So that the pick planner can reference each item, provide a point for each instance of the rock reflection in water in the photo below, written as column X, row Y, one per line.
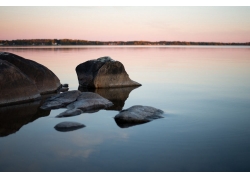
column 117, row 96
column 12, row 118
column 124, row 124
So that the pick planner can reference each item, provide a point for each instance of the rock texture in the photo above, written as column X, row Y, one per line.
column 61, row 100
column 70, row 112
column 103, row 72
column 15, row 86
column 139, row 114
column 76, row 102
column 90, row 101
column 68, row 126
column 44, row 79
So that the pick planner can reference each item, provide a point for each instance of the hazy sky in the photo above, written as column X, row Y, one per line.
column 220, row 24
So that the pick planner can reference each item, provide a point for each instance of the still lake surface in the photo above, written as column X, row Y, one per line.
column 204, row 92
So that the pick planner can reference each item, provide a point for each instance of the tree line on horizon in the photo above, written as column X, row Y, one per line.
column 47, row 42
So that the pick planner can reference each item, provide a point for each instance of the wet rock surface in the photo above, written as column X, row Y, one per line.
column 61, row 100
column 90, row 101
column 68, row 126
column 70, row 112
column 139, row 114
column 76, row 102
column 103, row 72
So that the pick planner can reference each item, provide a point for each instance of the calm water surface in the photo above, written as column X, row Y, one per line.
column 204, row 92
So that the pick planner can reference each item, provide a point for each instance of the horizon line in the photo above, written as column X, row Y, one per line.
column 124, row 41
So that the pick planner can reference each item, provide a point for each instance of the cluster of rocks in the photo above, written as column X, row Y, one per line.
column 25, row 80
column 76, row 103
column 103, row 73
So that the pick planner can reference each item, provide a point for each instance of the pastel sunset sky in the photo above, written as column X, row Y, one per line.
column 210, row 24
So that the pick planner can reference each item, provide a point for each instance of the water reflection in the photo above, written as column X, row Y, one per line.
column 12, row 118
column 124, row 124
column 117, row 96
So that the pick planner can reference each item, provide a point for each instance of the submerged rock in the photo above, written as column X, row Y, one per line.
column 103, row 72
column 68, row 126
column 61, row 100
column 44, row 79
column 70, row 112
column 76, row 103
column 90, row 101
column 139, row 114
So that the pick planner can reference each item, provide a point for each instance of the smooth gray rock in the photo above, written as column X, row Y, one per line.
column 103, row 72
column 76, row 103
column 68, row 126
column 139, row 114
column 70, row 112
column 44, row 79
column 61, row 100
column 90, row 101
column 15, row 86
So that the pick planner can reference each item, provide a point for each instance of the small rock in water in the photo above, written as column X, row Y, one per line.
column 139, row 114
column 65, row 85
column 68, row 126
column 64, row 89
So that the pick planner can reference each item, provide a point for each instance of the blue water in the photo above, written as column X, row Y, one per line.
column 203, row 91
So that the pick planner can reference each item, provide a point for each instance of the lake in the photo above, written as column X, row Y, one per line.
column 204, row 92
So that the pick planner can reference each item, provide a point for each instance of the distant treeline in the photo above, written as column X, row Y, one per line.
column 42, row 42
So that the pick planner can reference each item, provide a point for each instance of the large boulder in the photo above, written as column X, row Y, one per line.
column 44, row 79
column 103, row 72
column 15, row 86
column 138, row 114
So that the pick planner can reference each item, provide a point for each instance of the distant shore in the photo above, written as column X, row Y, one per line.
column 59, row 42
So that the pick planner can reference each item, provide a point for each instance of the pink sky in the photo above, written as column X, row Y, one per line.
column 220, row 24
